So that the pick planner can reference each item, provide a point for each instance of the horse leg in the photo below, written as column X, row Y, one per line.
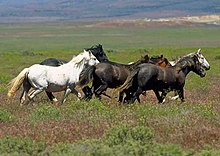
column 176, row 96
column 66, row 93
column 138, row 99
column 26, row 88
column 99, row 90
column 181, row 94
column 78, row 94
column 51, row 97
column 163, row 95
column 136, row 95
column 34, row 93
column 159, row 98
column 87, row 93
column 120, row 97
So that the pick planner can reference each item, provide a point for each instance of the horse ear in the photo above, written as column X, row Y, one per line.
column 146, row 57
column 199, row 51
column 89, row 51
column 161, row 56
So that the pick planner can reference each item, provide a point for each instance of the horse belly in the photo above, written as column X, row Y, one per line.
column 55, row 87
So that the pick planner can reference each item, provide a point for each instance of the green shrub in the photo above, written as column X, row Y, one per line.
column 45, row 112
column 20, row 146
column 208, row 151
column 170, row 150
column 6, row 116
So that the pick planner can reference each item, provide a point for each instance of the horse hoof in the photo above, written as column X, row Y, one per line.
column 56, row 103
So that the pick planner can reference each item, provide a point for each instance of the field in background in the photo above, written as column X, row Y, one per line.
column 173, row 127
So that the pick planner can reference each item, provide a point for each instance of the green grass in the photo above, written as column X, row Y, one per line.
column 6, row 116
column 45, row 112
column 69, row 36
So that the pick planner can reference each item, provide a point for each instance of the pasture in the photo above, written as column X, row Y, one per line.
column 106, row 127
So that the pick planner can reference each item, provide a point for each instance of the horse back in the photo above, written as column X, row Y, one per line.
column 113, row 75
column 153, row 76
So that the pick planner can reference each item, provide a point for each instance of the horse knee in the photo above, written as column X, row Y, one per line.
column 87, row 93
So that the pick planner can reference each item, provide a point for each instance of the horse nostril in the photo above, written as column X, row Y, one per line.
column 207, row 68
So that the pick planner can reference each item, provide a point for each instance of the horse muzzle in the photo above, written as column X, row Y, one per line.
column 202, row 74
column 207, row 68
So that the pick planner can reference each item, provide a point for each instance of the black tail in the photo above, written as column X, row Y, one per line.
column 86, row 76
column 129, row 81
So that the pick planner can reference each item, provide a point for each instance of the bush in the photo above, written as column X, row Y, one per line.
column 171, row 150
column 209, row 151
column 125, row 134
column 20, row 146
column 45, row 112
column 6, row 116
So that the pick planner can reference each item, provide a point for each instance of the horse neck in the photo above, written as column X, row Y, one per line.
column 185, row 70
column 76, row 59
column 132, row 65
column 77, row 62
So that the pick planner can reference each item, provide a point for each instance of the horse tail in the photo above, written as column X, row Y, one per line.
column 86, row 76
column 16, row 83
column 129, row 81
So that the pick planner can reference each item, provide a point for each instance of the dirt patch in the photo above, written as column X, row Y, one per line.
column 193, row 21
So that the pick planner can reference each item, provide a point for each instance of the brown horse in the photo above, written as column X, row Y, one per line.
column 112, row 75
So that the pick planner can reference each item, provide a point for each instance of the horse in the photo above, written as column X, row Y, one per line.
column 151, row 77
column 96, row 50
column 202, row 60
column 111, row 74
column 51, row 79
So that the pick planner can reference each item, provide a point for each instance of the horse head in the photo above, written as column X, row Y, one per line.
column 190, row 63
column 98, row 52
column 202, row 60
column 198, row 67
column 160, row 61
column 90, row 58
column 144, row 59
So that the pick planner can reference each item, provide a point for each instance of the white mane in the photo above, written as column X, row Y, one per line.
column 79, row 58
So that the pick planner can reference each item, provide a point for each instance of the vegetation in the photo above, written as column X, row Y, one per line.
column 104, row 127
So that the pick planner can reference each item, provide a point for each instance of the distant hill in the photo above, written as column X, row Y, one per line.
column 104, row 9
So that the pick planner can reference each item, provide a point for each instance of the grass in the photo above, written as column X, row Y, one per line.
column 105, row 127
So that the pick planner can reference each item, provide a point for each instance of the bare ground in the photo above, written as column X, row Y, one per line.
column 194, row 132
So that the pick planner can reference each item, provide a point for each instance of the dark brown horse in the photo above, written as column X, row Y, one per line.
column 151, row 77
column 112, row 75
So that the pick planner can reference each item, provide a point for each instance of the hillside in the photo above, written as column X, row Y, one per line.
column 44, row 10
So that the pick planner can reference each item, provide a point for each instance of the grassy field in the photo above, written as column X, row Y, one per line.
column 105, row 127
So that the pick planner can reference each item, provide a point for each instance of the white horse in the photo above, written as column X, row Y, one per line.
column 52, row 79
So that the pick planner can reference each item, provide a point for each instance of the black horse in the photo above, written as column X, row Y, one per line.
column 112, row 75
column 96, row 50
column 151, row 77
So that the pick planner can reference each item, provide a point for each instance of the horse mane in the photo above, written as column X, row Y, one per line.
column 78, row 59
column 184, row 61
column 129, row 66
column 185, row 56
column 97, row 46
